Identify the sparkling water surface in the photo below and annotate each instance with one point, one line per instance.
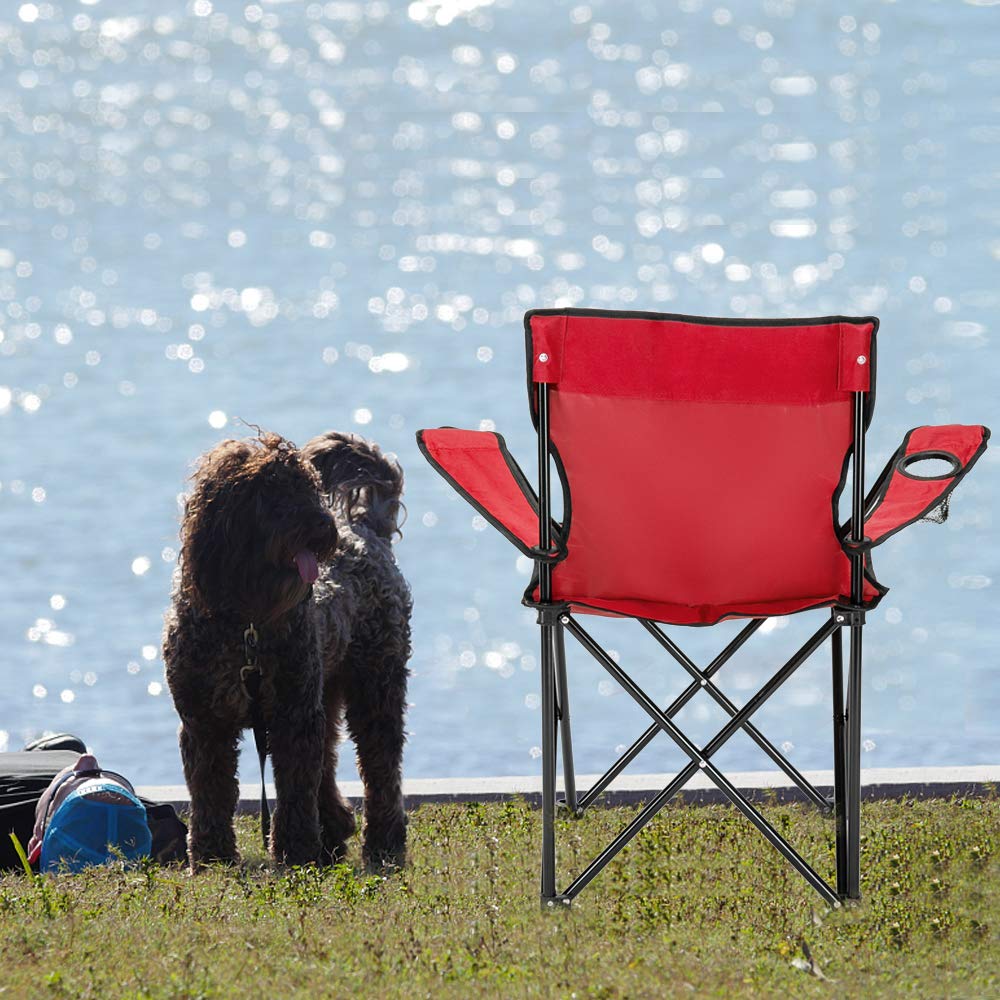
(306, 216)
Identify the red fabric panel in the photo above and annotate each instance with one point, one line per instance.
(906, 498)
(700, 361)
(855, 357)
(474, 460)
(701, 509)
(683, 614)
(548, 338)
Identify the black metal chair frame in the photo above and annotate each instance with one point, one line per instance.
(555, 619)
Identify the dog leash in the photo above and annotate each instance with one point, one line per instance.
(250, 676)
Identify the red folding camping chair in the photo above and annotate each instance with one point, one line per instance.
(702, 463)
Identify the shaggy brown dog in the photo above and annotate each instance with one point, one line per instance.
(296, 542)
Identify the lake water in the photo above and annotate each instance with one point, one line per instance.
(321, 215)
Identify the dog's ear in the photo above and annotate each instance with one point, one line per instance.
(359, 479)
(217, 517)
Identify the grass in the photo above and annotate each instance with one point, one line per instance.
(698, 906)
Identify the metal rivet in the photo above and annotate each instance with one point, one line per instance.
(861, 359)
(702, 763)
(550, 903)
(840, 618)
(543, 358)
(565, 619)
(566, 902)
(703, 682)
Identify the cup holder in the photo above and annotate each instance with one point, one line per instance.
(932, 465)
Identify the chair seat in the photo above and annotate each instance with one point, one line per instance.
(704, 614)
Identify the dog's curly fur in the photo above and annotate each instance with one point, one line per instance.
(337, 647)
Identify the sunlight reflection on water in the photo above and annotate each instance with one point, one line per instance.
(316, 215)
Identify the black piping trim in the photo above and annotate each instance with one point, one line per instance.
(529, 591)
(702, 320)
(869, 574)
(533, 552)
(878, 492)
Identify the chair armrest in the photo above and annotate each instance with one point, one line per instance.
(901, 496)
(481, 469)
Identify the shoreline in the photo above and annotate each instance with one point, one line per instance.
(876, 783)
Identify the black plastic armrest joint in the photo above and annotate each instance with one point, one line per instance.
(857, 547)
(553, 555)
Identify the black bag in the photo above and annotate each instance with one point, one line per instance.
(24, 776)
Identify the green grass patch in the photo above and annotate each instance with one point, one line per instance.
(698, 905)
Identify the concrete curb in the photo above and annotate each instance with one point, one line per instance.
(758, 786)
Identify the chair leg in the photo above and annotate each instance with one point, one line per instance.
(548, 766)
(839, 761)
(854, 767)
(562, 713)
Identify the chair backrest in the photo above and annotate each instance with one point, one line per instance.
(702, 459)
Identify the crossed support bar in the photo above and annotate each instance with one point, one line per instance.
(749, 728)
(679, 702)
(555, 709)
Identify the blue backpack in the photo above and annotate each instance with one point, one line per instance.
(98, 822)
